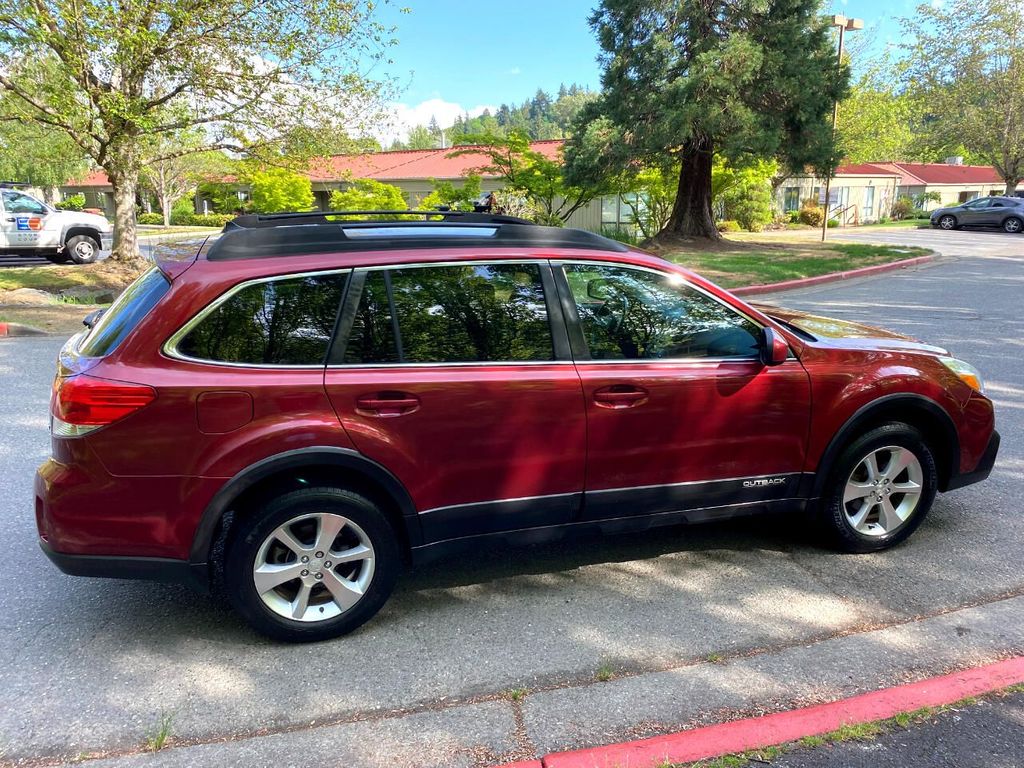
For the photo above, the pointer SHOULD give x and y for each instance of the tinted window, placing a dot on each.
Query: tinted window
(372, 338)
(632, 314)
(280, 322)
(471, 313)
(125, 313)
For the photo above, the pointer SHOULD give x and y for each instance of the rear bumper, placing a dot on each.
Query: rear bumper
(120, 567)
(982, 471)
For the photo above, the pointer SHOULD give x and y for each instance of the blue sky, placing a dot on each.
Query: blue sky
(464, 55)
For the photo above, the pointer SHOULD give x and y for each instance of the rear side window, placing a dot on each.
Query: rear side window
(452, 314)
(125, 313)
(285, 321)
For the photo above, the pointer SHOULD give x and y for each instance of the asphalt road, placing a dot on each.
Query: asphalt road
(92, 665)
(988, 734)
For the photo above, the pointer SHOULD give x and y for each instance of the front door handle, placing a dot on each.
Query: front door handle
(619, 396)
(387, 404)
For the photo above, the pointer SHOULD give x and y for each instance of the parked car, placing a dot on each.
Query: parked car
(305, 406)
(1007, 213)
(31, 226)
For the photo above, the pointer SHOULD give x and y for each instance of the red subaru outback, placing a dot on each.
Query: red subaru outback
(307, 405)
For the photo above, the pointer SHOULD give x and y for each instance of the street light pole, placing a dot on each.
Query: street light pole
(843, 24)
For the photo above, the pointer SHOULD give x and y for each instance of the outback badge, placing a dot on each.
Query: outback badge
(763, 481)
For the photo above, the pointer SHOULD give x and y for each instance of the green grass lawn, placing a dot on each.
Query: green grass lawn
(905, 224)
(158, 230)
(753, 263)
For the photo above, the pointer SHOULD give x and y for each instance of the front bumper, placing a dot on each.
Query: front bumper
(106, 241)
(120, 567)
(982, 471)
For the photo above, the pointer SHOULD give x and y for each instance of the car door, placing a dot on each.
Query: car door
(457, 378)
(975, 213)
(22, 221)
(681, 414)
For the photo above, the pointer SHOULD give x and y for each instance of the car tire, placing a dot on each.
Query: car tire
(947, 222)
(82, 249)
(256, 550)
(1013, 225)
(895, 509)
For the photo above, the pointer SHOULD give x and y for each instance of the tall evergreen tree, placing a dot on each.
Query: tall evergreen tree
(695, 78)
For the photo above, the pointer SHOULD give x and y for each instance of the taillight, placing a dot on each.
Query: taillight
(83, 403)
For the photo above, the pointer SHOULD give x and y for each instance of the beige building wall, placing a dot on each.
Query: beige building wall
(860, 198)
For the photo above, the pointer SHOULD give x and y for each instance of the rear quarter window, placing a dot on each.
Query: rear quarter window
(124, 314)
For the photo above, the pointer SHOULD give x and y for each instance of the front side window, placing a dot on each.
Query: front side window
(286, 321)
(452, 314)
(16, 202)
(633, 314)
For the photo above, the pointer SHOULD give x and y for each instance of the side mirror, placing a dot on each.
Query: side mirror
(772, 348)
(92, 318)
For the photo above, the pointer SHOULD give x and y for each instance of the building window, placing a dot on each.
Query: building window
(869, 203)
(243, 195)
(970, 194)
(791, 199)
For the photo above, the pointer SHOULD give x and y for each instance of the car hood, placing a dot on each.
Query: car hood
(848, 334)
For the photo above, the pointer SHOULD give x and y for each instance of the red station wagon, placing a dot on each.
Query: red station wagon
(306, 405)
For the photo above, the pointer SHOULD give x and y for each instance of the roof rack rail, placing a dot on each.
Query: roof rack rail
(249, 221)
(300, 234)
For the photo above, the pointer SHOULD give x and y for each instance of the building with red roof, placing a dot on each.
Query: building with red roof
(860, 192)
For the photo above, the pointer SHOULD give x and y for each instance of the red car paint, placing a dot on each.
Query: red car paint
(154, 483)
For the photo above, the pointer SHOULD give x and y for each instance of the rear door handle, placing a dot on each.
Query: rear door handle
(387, 404)
(619, 396)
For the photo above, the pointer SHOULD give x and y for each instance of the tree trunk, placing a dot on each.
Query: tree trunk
(126, 242)
(691, 212)
(1011, 187)
(165, 206)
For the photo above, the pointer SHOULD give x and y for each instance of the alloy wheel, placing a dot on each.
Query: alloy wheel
(1012, 225)
(883, 491)
(314, 567)
(947, 222)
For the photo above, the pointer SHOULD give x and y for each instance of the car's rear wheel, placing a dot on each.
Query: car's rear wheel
(313, 564)
(880, 489)
(1013, 224)
(947, 222)
(82, 249)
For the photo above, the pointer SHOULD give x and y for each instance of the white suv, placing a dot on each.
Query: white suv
(28, 225)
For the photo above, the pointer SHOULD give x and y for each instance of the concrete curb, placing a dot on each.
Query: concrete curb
(17, 329)
(787, 285)
(783, 727)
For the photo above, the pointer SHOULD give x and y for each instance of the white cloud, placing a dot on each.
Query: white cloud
(515, 71)
(403, 117)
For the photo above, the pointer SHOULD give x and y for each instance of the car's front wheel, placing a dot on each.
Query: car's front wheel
(312, 564)
(82, 249)
(1013, 224)
(880, 489)
(947, 222)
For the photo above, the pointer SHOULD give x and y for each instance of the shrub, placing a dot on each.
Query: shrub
(902, 208)
(884, 220)
(210, 219)
(456, 199)
(811, 213)
(833, 223)
(729, 225)
(223, 197)
(72, 203)
(368, 195)
(151, 218)
(183, 210)
(278, 190)
(622, 234)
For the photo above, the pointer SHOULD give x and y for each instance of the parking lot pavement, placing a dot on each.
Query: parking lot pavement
(960, 242)
(92, 665)
(988, 734)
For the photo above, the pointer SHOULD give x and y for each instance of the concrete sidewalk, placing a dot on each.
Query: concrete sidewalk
(497, 729)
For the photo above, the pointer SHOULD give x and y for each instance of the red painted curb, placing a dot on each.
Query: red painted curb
(785, 285)
(782, 727)
(3, 329)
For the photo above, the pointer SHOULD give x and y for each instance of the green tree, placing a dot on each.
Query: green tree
(368, 195)
(445, 193)
(688, 79)
(966, 60)
(511, 159)
(178, 170)
(745, 191)
(279, 190)
(420, 137)
(38, 155)
(254, 75)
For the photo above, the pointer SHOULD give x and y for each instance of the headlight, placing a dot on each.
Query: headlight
(966, 372)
